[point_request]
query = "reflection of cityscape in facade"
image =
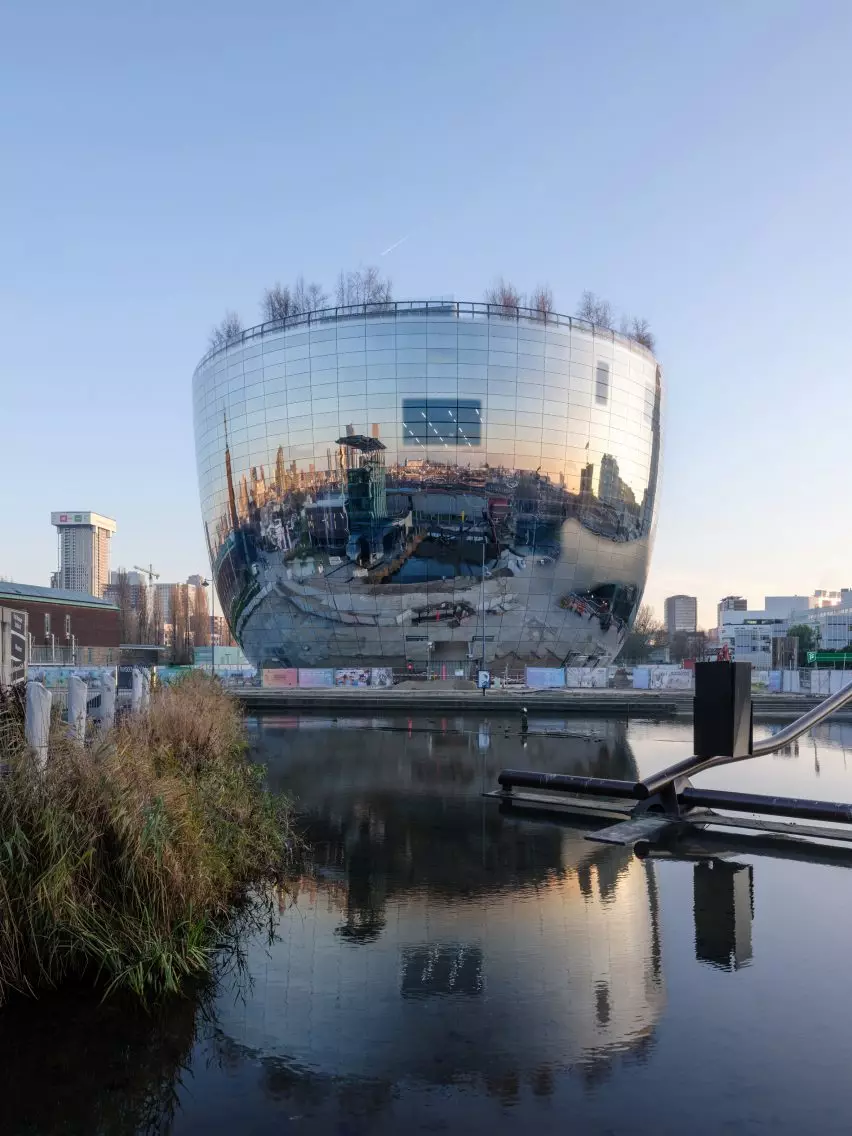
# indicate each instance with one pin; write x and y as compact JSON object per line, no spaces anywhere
{"x":360,"y":474}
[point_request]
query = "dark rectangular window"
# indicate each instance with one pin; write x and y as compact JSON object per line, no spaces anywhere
{"x":602,"y":384}
{"x":449,"y":422}
{"x":67,"y":626}
{"x":47,"y":625}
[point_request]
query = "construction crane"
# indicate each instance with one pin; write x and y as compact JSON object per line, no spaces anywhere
{"x":149,"y":572}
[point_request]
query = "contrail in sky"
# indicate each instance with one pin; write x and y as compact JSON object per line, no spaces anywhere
{"x":396,"y":244}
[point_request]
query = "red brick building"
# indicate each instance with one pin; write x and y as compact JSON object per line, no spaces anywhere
{"x":62,"y":623}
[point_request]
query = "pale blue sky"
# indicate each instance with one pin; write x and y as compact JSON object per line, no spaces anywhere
{"x":162,"y":162}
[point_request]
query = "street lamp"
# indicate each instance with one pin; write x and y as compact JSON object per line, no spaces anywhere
{"x":207,"y":584}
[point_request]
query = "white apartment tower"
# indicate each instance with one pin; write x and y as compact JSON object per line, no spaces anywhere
{"x":84,"y":540}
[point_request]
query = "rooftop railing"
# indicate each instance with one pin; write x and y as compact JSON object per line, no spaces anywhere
{"x":455,"y":309}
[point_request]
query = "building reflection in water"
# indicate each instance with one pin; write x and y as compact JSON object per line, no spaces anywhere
{"x":433,"y":937}
{"x":724,"y":911}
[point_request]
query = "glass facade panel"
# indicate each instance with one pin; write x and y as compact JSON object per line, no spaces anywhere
{"x":380,"y":488}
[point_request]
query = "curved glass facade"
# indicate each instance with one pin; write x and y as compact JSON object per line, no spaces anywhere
{"x":429,"y":481}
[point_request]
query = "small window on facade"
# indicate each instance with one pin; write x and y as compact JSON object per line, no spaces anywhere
{"x":67,"y":626}
{"x":602,"y":384}
{"x":47,"y":625}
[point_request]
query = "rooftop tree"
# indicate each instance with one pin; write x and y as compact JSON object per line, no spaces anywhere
{"x":363,"y":286}
{"x":596,"y":310}
{"x":229,"y":328}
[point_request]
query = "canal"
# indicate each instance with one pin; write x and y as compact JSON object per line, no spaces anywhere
{"x":442,"y":966}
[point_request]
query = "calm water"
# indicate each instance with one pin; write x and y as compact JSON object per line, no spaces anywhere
{"x":448,"y":968}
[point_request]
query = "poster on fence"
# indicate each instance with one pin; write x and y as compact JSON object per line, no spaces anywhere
{"x":165,"y":675}
{"x":641,"y":678}
{"x":547,"y":677}
{"x":352,"y":676}
{"x":279,"y":677}
{"x":775,"y":682}
{"x":676,"y":680}
{"x":759,"y":679}
{"x":56,"y":678}
{"x":382,"y":676}
{"x":315,"y":676}
{"x":587,"y":677}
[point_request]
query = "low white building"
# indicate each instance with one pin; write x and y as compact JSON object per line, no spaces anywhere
{"x":749,"y":633}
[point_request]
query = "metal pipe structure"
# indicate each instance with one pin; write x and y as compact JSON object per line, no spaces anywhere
{"x":565,"y":783}
{"x":692,"y":765}
{"x":795,"y":807}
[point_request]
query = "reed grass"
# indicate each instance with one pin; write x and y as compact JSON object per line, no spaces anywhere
{"x":125,"y":862}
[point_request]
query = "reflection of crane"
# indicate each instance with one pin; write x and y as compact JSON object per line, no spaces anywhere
{"x":149,"y":572}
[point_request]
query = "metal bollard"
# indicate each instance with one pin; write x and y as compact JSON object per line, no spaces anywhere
{"x":77,"y":695}
{"x":37,"y":728}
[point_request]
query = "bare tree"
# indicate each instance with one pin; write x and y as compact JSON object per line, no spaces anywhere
{"x":318,"y":297}
{"x":143,"y":621}
{"x":596,"y":310}
{"x":200,"y":618}
{"x":230,"y":327}
{"x":157,"y":617}
{"x":505,"y":296}
{"x":124,"y":598}
{"x":645,"y":633}
{"x":308,"y":297}
{"x":187,"y":624}
{"x":174,"y":604}
{"x":277,"y":303}
{"x":541,"y":301}
{"x":646,"y":622}
{"x":364,"y":286}
{"x":640,"y":330}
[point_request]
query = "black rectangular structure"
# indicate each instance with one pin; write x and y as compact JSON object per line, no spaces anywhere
{"x":724,"y":910}
{"x":722,"y":710}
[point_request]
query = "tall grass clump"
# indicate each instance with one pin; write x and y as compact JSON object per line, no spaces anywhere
{"x":125,"y":862}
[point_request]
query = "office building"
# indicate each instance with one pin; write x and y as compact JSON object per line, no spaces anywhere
{"x":418,"y":479}
{"x":730,"y":603}
{"x":681,"y":613}
{"x":84,"y":546}
{"x":754,"y":635}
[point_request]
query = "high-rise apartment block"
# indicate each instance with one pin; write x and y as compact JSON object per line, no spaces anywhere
{"x":84,"y":541}
{"x":681,"y":614}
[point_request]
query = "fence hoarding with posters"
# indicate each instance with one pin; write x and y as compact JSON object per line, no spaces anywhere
{"x":316,"y":677}
{"x":546,"y":677}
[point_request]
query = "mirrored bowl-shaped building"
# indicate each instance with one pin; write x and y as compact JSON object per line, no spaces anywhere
{"x":429,"y":482}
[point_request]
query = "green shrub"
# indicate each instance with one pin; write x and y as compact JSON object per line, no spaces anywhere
{"x":125,"y":861}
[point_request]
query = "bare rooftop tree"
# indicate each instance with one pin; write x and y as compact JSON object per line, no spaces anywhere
{"x":230,"y":327}
{"x":280,"y":303}
{"x":640,"y":330}
{"x":364,"y":286}
{"x":596,"y":310}
{"x":505,"y":296}
{"x":308,"y":297}
{"x":277,"y":303}
{"x":541,"y":301}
